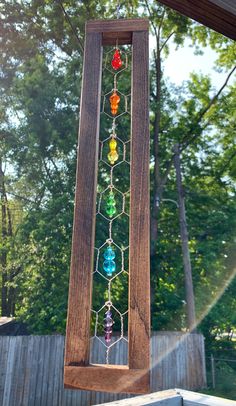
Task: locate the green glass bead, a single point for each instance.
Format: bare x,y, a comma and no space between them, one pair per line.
111,211
111,204
111,201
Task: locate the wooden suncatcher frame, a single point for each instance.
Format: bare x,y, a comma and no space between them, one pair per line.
78,373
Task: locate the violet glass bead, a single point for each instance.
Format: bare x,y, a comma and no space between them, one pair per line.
108,338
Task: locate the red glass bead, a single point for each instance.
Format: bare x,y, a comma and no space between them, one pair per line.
116,61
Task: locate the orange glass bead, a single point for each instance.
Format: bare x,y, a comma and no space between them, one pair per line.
114,101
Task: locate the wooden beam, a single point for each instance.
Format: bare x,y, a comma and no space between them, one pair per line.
195,399
121,25
228,5
107,378
139,258
121,29
134,378
80,288
220,15
121,38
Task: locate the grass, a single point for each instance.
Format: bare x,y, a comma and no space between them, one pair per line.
225,379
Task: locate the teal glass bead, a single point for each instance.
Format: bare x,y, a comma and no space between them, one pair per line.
109,254
109,267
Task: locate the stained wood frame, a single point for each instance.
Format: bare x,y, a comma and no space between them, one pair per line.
78,373
220,15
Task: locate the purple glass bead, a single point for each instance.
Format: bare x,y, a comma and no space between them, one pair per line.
108,338
108,314
108,323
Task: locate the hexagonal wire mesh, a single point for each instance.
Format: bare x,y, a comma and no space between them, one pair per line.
110,291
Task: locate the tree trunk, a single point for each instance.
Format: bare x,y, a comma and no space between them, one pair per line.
156,172
191,318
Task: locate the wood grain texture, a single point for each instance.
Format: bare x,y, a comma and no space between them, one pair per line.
80,288
29,357
109,378
78,372
164,398
215,14
229,5
139,260
121,38
119,25
199,399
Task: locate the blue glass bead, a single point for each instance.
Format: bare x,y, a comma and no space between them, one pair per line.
109,267
109,254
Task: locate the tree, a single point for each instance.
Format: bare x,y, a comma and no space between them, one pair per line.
191,317
41,63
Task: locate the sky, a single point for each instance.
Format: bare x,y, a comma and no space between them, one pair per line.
181,62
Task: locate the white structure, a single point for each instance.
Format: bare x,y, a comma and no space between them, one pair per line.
173,397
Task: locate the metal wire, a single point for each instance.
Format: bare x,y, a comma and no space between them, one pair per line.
119,248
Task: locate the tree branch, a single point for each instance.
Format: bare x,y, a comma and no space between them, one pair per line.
221,171
189,141
71,26
161,22
167,39
205,110
150,14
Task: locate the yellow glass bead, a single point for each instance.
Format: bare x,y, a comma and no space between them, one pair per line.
112,157
112,144
113,154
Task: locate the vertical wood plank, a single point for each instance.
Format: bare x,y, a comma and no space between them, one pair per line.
37,385
4,345
80,288
22,345
9,372
16,377
28,385
139,279
58,375
46,365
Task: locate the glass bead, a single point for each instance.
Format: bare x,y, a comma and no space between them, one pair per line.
109,254
109,267
116,61
114,102
112,157
111,205
111,200
112,143
108,314
108,329
111,211
108,323
108,337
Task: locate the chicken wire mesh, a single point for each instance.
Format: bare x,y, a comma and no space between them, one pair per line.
110,290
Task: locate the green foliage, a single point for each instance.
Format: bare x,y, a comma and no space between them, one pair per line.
41,65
